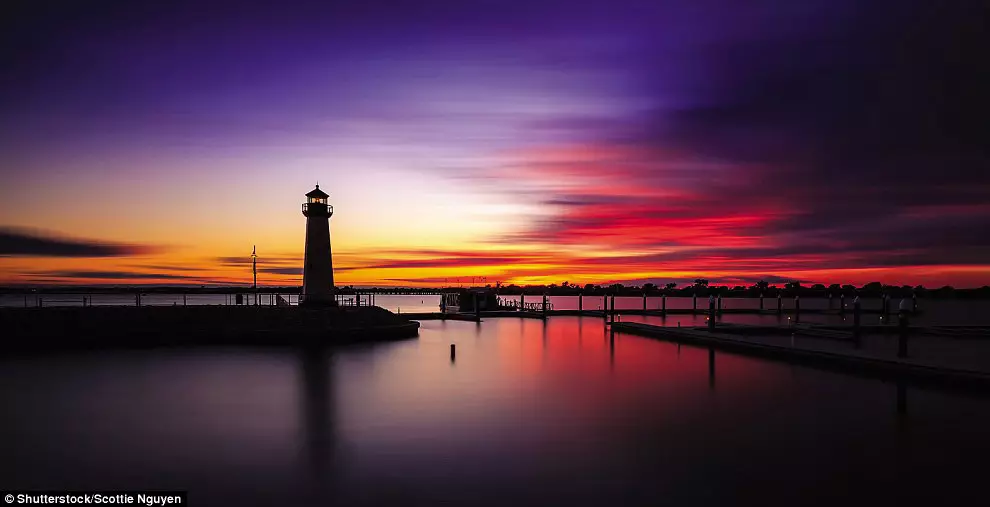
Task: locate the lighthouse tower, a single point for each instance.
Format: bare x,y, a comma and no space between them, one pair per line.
318,267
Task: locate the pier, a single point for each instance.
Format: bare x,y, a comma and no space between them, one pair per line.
938,359
52,329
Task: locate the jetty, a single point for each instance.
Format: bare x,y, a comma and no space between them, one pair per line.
96,327
887,352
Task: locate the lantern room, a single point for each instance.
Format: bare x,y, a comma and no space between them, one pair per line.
316,203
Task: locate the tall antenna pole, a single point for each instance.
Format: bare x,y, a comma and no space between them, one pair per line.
254,269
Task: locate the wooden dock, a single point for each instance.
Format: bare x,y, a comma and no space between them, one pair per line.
752,340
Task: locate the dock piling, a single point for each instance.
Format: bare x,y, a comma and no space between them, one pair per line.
580,302
857,310
453,352
761,301
663,304
711,313
842,304
902,335
797,308
780,305
611,313
719,300
644,301
694,304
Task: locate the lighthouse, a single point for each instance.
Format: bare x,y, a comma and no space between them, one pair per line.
318,266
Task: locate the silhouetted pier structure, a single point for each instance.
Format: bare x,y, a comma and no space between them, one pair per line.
604,306
77,327
830,347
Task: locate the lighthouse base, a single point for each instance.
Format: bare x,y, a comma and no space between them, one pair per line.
318,303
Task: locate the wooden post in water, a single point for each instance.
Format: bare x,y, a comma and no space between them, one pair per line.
644,301
902,335
580,303
914,303
829,300
453,352
40,303
25,301
711,313
663,305
544,306
780,305
761,301
857,309
477,308
720,304
522,302
797,308
694,304
183,300
612,313
842,304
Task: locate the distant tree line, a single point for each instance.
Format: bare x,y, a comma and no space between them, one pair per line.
702,287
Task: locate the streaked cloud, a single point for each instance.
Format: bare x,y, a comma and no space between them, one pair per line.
28,242
112,275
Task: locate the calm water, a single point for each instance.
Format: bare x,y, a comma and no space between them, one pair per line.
527,414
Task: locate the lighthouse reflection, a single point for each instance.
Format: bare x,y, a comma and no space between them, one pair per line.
316,416
316,408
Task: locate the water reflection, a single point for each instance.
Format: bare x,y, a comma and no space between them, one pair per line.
531,412
711,368
316,405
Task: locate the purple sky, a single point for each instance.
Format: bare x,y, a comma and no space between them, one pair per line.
800,139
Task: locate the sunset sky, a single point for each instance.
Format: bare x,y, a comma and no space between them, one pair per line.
524,141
